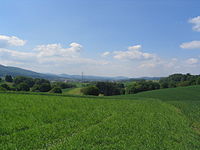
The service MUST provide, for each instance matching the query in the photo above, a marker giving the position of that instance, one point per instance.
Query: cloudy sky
(131, 38)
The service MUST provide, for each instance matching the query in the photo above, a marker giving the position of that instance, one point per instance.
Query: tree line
(110, 88)
(22, 83)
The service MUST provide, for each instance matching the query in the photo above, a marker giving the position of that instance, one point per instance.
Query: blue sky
(107, 38)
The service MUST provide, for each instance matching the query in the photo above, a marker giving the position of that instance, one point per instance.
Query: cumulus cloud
(135, 47)
(192, 61)
(44, 53)
(191, 45)
(53, 50)
(50, 56)
(105, 54)
(10, 41)
(196, 23)
(133, 52)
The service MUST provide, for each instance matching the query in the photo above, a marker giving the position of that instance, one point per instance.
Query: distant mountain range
(15, 71)
(92, 78)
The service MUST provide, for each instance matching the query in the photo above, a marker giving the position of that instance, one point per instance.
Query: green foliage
(23, 86)
(21, 79)
(5, 86)
(2, 89)
(90, 90)
(109, 88)
(164, 85)
(198, 81)
(175, 80)
(142, 86)
(184, 83)
(56, 90)
(41, 81)
(35, 88)
(8, 78)
(36, 85)
(44, 87)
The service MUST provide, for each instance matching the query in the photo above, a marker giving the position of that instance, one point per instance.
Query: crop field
(185, 99)
(161, 119)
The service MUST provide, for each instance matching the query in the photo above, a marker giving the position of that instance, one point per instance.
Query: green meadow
(153, 120)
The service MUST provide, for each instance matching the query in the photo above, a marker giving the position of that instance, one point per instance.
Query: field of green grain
(161, 119)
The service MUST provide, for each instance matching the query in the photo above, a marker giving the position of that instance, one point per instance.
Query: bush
(13, 88)
(8, 78)
(198, 80)
(131, 89)
(41, 81)
(109, 88)
(56, 90)
(5, 86)
(44, 87)
(35, 88)
(2, 89)
(164, 85)
(184, 83)
(90, 90)
(23, 87)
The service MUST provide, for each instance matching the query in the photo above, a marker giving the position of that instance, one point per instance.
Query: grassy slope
(146, 121)
(72, 91)
(185, 99)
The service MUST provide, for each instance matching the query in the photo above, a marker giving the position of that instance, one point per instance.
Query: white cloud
(50, 58)
(105, 54)
(135, 47)
(191, 45)
(196, 22)
(15, 55)
(192, 61)
(56, 50)
(10, 41)
(133, 53)
(75, 47)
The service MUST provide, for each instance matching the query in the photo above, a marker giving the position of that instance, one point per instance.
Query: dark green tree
(23, 87)
(5, 86)
(35, 88)
(44, 87)
(90, 90)
(109, 88)
(198, 81)
(8, 78)
(21, 79)
(56, 90)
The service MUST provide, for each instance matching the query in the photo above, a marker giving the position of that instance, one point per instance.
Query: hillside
(185, 99)
(14, 71)
(141, 121)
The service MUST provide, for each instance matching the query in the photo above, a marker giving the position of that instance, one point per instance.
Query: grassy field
(72, 91)
(162, 119)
